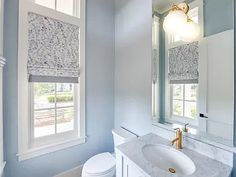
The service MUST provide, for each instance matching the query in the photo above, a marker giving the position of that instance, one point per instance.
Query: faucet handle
(185, 129)
(177, 129)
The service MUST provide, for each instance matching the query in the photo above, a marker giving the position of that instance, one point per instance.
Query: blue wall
(218, 16)
(133, 65)
(99, 87)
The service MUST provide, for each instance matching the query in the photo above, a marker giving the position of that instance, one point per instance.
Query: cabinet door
(130, 170)
(119, 165)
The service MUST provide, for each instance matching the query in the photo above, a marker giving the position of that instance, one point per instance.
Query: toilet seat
(100, 165)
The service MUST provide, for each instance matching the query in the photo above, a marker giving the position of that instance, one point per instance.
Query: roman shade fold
(53, 51)
(183, 64)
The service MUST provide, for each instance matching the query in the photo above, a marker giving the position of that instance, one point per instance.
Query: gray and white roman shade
(183, 64)
(53, 53)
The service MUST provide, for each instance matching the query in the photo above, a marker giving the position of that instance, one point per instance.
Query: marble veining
(205, 166)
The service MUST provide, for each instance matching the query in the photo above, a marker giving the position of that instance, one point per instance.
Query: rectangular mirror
(193, 67)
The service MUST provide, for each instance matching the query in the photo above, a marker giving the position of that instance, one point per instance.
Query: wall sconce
(177, 22)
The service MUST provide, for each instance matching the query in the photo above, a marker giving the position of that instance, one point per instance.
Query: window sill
(36, 152)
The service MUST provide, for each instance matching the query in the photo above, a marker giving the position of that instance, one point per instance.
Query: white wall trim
(32, 153)
(74, 172)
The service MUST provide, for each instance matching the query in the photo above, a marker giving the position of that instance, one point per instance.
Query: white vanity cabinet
(126, 168)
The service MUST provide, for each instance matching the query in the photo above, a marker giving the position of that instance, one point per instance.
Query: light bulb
(190, 31)
(174, 22)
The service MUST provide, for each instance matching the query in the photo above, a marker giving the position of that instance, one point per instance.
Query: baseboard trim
(74, 172)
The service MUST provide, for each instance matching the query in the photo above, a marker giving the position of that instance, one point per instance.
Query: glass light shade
(190, 31)
(174, 21)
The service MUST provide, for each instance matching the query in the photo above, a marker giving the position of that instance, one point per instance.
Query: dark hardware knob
(203, 116)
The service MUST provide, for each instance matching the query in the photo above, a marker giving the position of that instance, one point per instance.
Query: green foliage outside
(43, 89)
(193, 112)
(60, 98)
(177, 110)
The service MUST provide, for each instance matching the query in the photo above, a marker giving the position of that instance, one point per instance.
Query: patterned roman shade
(183, 64)
(53, 53)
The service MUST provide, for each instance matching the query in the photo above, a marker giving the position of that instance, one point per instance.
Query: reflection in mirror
(193, 68)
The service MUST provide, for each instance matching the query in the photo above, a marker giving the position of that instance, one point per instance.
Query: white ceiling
(162, 6)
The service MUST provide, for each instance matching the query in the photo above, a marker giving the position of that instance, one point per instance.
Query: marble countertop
(205, 166)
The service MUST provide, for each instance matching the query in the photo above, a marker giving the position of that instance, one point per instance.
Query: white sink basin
(169, 159)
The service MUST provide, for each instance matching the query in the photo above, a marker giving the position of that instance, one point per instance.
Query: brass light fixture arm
(184, 7)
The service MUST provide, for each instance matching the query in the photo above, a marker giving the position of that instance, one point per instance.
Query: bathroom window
(51, 68)
(54, 110)
(70, 7)
(184, 102)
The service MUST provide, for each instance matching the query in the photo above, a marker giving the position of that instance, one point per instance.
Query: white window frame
(57, 137)
(155, 87)
(75, 9)
(182, 119)
(168, 45)
(24, 116)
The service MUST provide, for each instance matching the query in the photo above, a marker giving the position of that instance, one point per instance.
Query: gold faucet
(178, 139)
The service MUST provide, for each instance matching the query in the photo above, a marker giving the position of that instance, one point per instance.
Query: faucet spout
(178, 139)
(174, 140)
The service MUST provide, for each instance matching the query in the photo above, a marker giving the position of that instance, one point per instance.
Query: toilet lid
(99, 164)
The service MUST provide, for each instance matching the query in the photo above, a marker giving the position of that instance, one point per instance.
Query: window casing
(30, 146)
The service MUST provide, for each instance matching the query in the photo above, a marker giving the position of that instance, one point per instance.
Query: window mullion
(32, 112)
(55, 5)
(75, 108)
(75, 10)
(55, 108)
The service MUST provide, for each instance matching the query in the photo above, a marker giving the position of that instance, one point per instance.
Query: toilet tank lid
(123, 133)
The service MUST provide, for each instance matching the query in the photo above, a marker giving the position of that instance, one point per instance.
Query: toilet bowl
(104, 164)
(101, 165)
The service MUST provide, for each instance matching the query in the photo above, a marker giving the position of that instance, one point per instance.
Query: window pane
(178, 91)
(44, 95)
(44, 123)
(191, 92)
(65, 95)
(65, 119)
(46, 3)
(66, 6)
(190, 109)
(178, 108)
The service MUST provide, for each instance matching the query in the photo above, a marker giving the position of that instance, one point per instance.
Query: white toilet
(104, 164)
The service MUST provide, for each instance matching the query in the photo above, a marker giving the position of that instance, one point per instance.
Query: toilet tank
(121, 136)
